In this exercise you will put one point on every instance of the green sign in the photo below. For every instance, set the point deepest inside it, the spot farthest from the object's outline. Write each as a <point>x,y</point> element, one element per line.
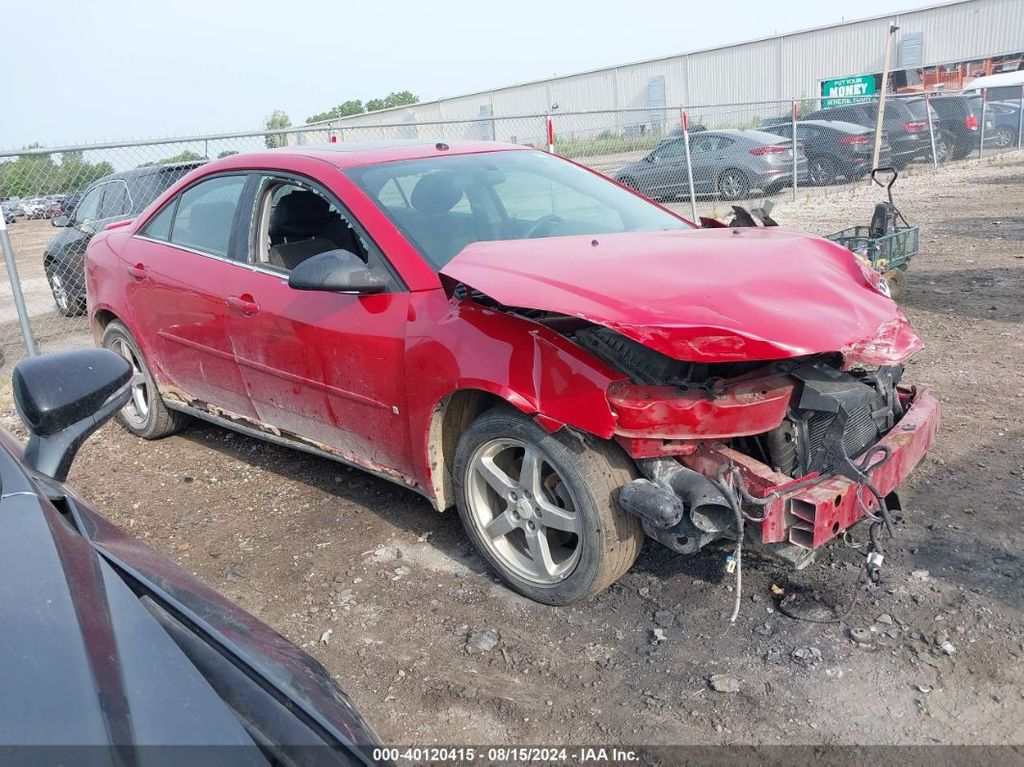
<point>846,90</point>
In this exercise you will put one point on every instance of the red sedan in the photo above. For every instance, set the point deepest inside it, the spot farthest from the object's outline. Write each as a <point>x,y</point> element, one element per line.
<point>503,331</point>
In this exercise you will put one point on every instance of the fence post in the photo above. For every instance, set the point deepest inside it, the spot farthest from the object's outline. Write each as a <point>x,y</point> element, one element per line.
<point>795,109</point>
<point>984,115</point>
<point>19,299</point>
<point>551,134</point>
<point>931,128</point>
<point>689,170</point>
<point>1020,117</point>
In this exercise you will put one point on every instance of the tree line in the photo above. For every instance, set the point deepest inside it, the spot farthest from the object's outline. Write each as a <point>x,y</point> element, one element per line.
<point>38,174</point>
<point>279,120</point>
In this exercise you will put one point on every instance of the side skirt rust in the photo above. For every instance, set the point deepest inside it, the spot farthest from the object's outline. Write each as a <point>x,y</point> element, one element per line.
<point>284,439</point>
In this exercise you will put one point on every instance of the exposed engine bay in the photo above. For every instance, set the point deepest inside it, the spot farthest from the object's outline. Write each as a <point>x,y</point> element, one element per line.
<point>833,413</point>
<point>789,445</point>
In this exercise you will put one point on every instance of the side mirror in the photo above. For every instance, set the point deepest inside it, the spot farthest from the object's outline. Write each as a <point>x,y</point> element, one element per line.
<point>60,221</point>
<point>86,227</point>
<point>63,398</point>
<point>338,271</point>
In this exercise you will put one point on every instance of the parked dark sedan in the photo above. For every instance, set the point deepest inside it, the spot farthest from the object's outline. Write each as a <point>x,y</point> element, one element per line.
<point>835,149</point>
<point>116,197</point>
<point>109,648</point>
<point>908,135</point>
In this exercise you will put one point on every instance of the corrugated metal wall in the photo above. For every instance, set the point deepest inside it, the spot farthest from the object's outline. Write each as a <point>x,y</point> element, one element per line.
<point>779,68</point>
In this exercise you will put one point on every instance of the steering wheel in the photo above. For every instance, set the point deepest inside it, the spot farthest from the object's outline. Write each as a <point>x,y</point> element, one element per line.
<point>540,223</point>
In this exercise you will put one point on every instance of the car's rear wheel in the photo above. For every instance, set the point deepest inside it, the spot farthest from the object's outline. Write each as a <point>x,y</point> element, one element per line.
<point>1004,137</point>
<point>145,414</point>
<point>823,171</point>
<point>733,184</point>
<point>542,508</point>
<point>68,302</point>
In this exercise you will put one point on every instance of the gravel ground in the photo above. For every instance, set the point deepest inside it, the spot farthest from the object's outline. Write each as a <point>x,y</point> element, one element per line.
<point>389,596</point>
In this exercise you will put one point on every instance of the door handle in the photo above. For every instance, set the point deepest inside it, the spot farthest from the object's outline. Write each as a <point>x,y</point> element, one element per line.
<point>244,303</point>
<point>138,271</point>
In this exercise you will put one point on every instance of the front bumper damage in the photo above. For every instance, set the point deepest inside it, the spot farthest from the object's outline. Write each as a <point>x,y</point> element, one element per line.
<point>681,505</point>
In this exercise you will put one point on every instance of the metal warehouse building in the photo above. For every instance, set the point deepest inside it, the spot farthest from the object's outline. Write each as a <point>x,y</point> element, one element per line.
<point>781,67</point>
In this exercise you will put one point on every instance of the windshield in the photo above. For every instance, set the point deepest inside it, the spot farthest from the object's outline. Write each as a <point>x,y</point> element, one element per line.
<point>442,204</point>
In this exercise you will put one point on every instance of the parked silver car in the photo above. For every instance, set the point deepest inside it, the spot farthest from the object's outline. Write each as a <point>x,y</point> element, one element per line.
<point>729,163</point>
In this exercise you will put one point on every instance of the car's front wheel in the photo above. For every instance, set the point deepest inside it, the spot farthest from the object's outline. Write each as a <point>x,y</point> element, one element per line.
<point>542,508</point>
<point>145,415</point>
<point>69,302</point>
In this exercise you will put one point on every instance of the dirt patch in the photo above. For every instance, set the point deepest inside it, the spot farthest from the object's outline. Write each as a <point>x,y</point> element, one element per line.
<point>308,545</point>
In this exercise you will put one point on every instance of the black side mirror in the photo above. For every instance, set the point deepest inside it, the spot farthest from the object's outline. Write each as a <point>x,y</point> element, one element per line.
<point>63,398</point>
<point>60,221</point>
<point>339,271</point>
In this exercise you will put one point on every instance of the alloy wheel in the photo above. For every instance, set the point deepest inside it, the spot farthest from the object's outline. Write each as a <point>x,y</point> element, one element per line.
<point>523,511</point>
<point>136,410</point>
<point>60,293</point>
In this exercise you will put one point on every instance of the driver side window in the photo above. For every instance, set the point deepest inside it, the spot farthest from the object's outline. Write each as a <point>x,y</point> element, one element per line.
<point>295,221</point>
<point>88,209</point>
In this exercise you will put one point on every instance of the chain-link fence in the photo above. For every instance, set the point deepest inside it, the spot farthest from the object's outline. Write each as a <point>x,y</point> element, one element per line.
<point>700,160</point>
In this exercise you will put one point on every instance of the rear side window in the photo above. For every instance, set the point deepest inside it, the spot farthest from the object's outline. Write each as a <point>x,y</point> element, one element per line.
<point>206,213</point>
<point>201,217</point>
<point>159,227</point>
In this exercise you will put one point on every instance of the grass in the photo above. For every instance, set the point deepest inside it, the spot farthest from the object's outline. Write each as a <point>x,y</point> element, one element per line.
<point>605,143</point>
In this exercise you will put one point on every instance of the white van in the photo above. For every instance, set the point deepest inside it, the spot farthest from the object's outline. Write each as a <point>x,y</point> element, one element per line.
<point>1005,86</point>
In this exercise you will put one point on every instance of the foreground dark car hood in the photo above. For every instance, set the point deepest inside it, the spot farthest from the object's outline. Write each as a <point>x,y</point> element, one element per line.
<point>86,656</point>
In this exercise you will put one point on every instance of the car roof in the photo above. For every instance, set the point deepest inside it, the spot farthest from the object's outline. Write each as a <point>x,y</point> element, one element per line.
<point>146,170</point>
<point>839,125</point>
<point>1000,80</point>
<point>351,154</point>
<point>751,134</point>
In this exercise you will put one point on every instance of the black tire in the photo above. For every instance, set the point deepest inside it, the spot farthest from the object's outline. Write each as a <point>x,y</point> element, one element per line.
<point>823,171</point>
<point>592,472</point>
<point>733,184</point>
<point>159,421</point>
<point>942,150</point>
<point>69,302</point>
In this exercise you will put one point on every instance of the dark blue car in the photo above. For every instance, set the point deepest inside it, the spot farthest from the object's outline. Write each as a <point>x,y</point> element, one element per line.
<point>1005,124</point>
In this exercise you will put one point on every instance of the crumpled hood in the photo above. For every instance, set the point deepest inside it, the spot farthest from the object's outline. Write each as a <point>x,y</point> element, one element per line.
<point>702,295</point>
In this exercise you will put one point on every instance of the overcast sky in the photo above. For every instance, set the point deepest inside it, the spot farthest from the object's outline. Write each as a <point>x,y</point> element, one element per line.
<point>95,70</point>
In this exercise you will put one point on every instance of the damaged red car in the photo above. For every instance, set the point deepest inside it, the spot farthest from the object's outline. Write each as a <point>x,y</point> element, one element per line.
<point>570,365</point>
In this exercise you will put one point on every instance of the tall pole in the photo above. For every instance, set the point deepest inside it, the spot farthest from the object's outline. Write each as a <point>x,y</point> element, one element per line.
<point>984,117</point>
<point>19,299</point>
<point>795,110</point>
<point>689,170</point>
<point>931,128</point>
<point>881,99</point>
<point>1020,117</point>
